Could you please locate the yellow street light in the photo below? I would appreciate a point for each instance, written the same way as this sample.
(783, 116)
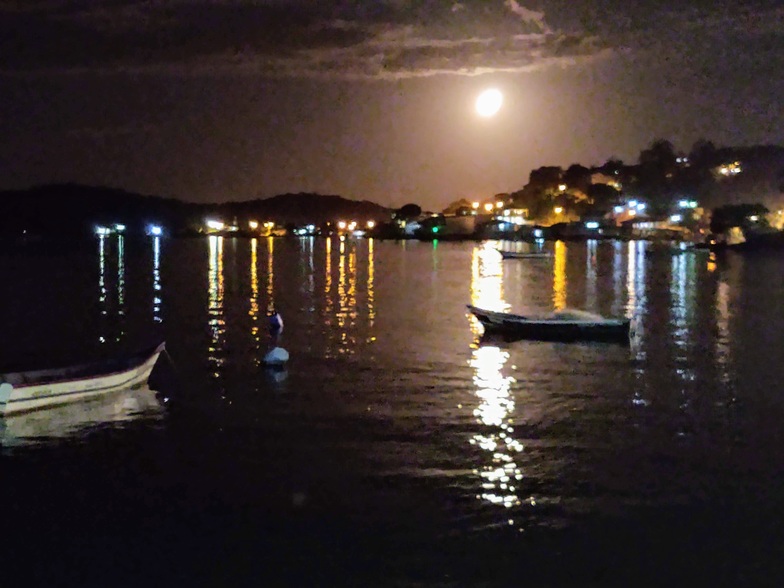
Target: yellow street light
(558, 209)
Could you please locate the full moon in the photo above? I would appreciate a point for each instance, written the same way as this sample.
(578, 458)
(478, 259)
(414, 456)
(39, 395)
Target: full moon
(489, 102)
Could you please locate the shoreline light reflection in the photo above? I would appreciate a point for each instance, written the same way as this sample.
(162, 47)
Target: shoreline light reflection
(216, 320)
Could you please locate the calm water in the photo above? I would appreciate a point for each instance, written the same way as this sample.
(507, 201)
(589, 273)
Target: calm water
(398, 448)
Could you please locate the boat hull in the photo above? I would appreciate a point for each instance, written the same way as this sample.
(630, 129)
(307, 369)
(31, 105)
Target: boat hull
(24, 392)
(520, 327)
(525, 254)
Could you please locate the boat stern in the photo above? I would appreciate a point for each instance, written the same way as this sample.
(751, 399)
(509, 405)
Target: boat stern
(5, 395)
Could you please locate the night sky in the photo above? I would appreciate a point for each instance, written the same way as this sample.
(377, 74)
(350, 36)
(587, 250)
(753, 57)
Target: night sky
(215, 100)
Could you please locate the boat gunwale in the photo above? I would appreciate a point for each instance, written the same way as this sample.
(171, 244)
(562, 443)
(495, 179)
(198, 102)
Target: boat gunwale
(508, 316)
(34, 378)
(524, 254)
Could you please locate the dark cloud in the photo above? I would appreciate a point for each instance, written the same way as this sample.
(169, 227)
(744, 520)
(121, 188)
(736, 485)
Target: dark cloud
(98, 134)
(750, 19)
(392, 39)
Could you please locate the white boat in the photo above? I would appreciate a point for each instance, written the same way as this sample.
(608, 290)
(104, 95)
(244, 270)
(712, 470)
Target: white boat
(524, 254)
(33, 390)
(563, 325)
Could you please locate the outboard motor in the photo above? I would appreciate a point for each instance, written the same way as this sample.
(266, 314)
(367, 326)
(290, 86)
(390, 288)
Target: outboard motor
(5, 396)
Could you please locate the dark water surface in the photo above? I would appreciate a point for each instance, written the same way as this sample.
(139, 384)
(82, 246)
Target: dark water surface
(398, 448)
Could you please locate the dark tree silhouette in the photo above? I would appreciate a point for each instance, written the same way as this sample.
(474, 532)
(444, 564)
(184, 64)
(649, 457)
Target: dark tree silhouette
(702, 153)
(602, 198)
(736, 215)
(661, 155)
(656, 181)
(408, 212)
(577, 176)
(545, 177)
(612, 166)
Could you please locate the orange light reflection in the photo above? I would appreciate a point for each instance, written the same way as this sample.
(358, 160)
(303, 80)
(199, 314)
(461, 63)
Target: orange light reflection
(253, 312)
(559, 276)
(215, 294)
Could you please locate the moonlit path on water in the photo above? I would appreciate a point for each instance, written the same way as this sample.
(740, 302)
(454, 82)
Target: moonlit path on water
(399, 446)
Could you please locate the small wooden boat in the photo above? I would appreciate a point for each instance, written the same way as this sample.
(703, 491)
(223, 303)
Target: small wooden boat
(524, 254)
(565, 325)
(33, 390)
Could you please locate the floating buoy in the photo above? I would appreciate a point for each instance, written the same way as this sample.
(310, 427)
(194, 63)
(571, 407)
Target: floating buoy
(276, 356)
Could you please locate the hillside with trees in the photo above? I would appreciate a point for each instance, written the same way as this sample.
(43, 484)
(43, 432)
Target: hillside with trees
(73, 211)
